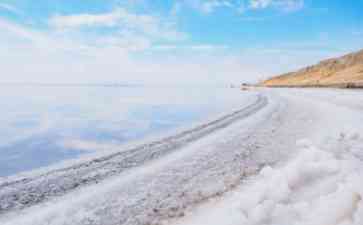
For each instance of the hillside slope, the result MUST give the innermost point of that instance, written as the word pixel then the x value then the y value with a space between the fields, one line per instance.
pixel 345 71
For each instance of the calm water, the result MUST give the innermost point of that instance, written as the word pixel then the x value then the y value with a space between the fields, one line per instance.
pixel 42 125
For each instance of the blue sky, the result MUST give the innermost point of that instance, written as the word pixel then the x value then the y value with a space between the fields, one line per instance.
pixel 166 41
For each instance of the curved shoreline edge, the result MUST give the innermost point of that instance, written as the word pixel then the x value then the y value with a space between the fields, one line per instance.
pixel 32 190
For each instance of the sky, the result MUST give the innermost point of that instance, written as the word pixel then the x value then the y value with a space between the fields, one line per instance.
pixel 171 41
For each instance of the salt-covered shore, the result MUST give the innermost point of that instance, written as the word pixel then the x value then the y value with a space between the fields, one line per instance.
pixel 288 157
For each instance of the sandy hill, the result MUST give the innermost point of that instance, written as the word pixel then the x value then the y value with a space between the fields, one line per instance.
pixel 345 71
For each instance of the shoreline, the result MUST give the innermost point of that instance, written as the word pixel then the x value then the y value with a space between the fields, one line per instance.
pixel 55 183
pixel 335 86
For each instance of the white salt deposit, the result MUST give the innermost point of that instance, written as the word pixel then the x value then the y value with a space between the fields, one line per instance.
pixel 314 188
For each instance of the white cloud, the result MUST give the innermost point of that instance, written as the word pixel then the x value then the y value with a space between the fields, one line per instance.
pixel 210 6
pixel 58 56
pixel 73 21
pixel 33 56
pixel 204 6
pixel 123 21
pixel 46 57
pixel 260 4
pixel 284 5
pixel 195 47
pixel 239 6
pixel 290 5
pixel 10 8
pixel 19 33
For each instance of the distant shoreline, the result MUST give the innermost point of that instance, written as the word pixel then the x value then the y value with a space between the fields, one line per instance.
pixel 339 85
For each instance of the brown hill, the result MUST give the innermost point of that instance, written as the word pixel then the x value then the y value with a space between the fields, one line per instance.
pixel 345 71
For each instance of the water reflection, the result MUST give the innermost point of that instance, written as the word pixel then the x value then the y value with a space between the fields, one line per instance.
pixel 42 125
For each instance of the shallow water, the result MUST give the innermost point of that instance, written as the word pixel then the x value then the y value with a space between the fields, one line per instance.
pixel 43 125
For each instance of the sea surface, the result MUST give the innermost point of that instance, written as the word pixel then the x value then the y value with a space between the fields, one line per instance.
pixel 41 125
